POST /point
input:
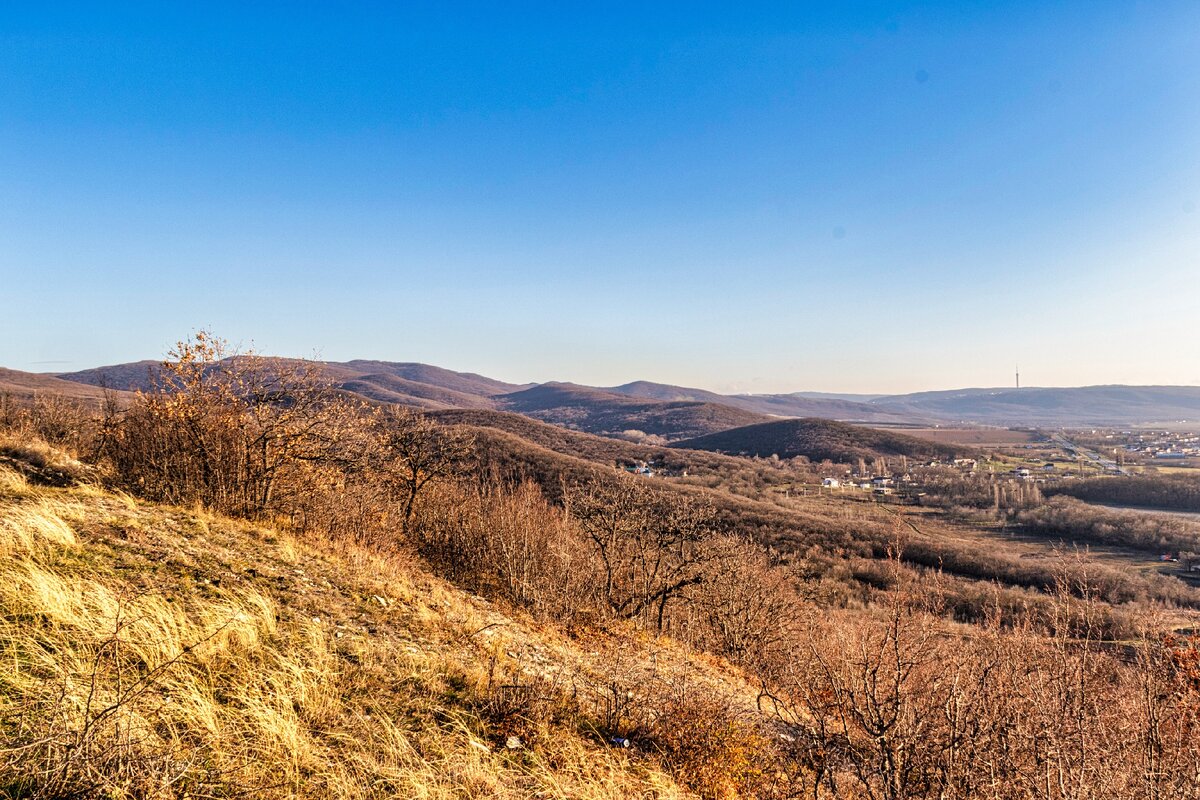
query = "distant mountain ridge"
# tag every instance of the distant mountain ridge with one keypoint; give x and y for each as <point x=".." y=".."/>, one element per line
<point x="683" y="412"/>
<point x="414" y="384"/>
<point x="776" y="405"/>
<point x="1084" y="405"/>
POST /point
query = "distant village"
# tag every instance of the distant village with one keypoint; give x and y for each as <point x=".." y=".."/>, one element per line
<point x="1161" y="445"/>
<point x="879" y="477"/>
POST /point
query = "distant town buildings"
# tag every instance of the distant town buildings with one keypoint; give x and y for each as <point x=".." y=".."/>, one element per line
<point x="1162" y="445"/>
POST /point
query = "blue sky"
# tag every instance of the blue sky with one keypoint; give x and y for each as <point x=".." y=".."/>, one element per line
<point x="744" y="197"/>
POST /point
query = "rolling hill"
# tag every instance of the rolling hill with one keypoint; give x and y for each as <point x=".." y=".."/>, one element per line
<point x="609" y="414"/>
<point x="131" y="377"/>
<point x="433" y="388"/>
<point x="465" y="383"/>
<point x="386" y="388"/>
<point x="601" y="450"/>
<point x="419" y="385"/>
<point x="1084" y="405"/>
<point x="776" y="405"/>
<point x="28" y="384"/>
<point x="675" y="412"/>
<point x="817" y="440"/>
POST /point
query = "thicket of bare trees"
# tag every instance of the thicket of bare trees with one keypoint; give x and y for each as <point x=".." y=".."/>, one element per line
<point x="948" y="487"/>
<point x="650" y="549"/>
<point x="898" y="705"/>
<point x="1179" y="492"/>
<point x="1074" y="520"/>
<point x="270" y="438"/>
<point x="63" y="422"/>
<point x="232" y="432"/>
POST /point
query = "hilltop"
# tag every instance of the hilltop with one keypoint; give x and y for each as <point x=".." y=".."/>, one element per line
<point x="818" y="440"/>
<point x="596" y="411"/>
<point x="25" y="385"/>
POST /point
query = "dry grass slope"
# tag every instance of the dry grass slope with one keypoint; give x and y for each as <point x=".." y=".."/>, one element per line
<point x="156" y="652"/>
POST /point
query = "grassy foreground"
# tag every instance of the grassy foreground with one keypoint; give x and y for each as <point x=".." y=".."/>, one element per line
<point x="148" y="651"/>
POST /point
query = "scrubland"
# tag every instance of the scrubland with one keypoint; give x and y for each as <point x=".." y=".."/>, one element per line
<point x="244" y="583"/>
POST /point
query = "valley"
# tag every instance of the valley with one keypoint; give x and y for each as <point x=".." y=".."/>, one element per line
<point x="537" y="536"/>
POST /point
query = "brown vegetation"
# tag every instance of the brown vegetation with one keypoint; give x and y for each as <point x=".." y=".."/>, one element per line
<point x="819" y="439"/>
<point x="1082" y="523"/>
<point x="597" y="411"/>
<point x="599" y="632"/>
<point x="1177" y="492"/>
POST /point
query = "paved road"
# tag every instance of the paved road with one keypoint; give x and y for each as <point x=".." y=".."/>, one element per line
<point x="1079" y="451"/>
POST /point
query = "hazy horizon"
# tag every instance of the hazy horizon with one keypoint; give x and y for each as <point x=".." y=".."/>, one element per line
<point x="60" y="367"/>
<point x="882" y="198"/>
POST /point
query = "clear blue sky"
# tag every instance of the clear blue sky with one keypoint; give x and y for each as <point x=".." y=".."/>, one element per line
<point x="747" y="197"/>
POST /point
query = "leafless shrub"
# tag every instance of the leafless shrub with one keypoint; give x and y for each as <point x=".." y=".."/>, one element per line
<point x="716" y="750"/>
<point x="232" y="432"/>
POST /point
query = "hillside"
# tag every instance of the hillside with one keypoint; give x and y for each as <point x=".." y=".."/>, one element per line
<point x="131" y="377"/>
<point x="542" y="624"/>
<point x="597" y="411"/>
<point x="778" y="405"/>
<point x="1085" y="405"/>
<point x="615" y="409"/>
<point x="28" y="384"/>
<point x="466" y="383"/>
<point x="387" y="388"/>
<point x="817" y="440"/>
<point x="147" y="647"/>
<point x="419" y="385"/>
<point x="795" y="405"/>
<point x="588" y="446"/>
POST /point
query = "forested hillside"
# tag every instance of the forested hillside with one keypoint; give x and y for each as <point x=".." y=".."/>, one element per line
<point x="820" y="439"/>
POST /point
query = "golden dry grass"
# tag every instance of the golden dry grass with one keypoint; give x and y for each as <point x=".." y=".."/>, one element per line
<point x="35" y="454"/>
<point x="152" y="652"/>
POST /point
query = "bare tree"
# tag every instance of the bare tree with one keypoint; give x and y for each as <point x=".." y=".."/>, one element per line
<point x="414" y="451"/>
<point x="647" y="544"/>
